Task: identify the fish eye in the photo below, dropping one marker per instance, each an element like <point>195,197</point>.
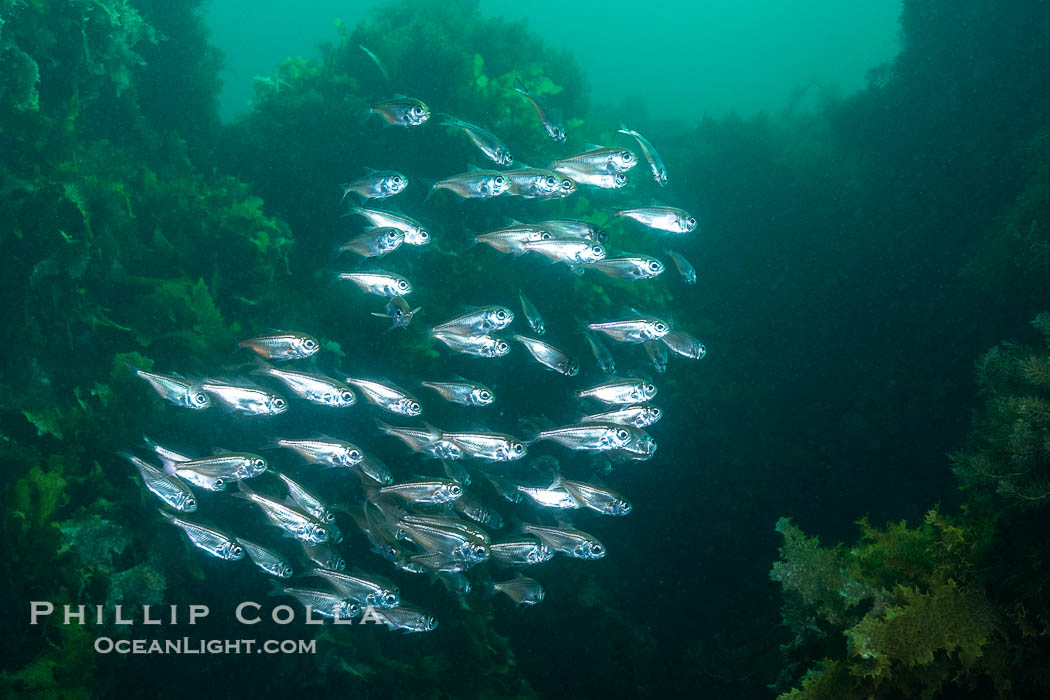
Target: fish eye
<point>485,396</point>
<point>309,343</point>
<point>691,221</point>
<point>259,463</point>
<point>660,326</point>
<point>200,399</point>
<point>423,236</point>
<point>519,448</point>
<point>417,109</point>
<point>649,388</point>
<point>396,179</point>
<point>545,236</point>
<point>597,250</point>
<point>622,434</point>
<point>501,314</point>
<point>278,403</point>
<point>415,407</point>
<point>503,347</point>
<point>455,490</point>
<point>654,265</point>
<point>551,182</point>
<point>354,455</point>
<point>347,396</point>
<point>218,484</point>
<point>402,284</point>
<point>627,156</point>
<point>567,184</point>
<point>190,503</point>
<point>499,180</point>
<point>597,548</point>
<point>390,598</point>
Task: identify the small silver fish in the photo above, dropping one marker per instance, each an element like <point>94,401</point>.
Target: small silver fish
<point>402,111</point>
<point>324,556</point>
<point>633,330</point>
<point>384,284</point>
<point>166,487</point>
<point>550,497</point>
<point>598,437</point>
<point>231,466</point>
<point>537,183</point>
<point>596,161</point>
<point>532,314</point>
<point>549,118</point>
<point>605,181</point>
<point>377,184</point>
<point>601,353</point>
<point>283,345</point>
<point>329,452</point>
<point>376,242</point>
<point>429,442</point>
<point>387,396</point>
<point>475,345</point>
<point>315,388</point>
<point>667,219</point>
<point>324,603</point>
<point>637,416</point>
<point>375,470</point>
<point>302,526</point>
<point>415,233</point>
<point>176,389</point>
<point>477,511</point>
<point>407,619</point>
<point>215,543</point>
<point>597,498</point>
<point>475,184</point>
<point>494,447</point>
<point>478,321</point>
<point>173,461</point>
<point>657,353</point>
<point>685,269</point>
<point>521,589</point>
<point>463,393</point>
<point>246,399</point>
<point>629,267</point>
<point>512,239</point>
<point>269,561</point>
<point>362,588</point>
<point>620,391</point>
<point>685,345</point>
<point>425,491</point>
<point>399,312</point>
<point>550,356</point>
<point>656,164</point>
<point>308,502</point>
<point>521,552</point>
<point>574,228</point>
<point>567,250</point>
<point>492,147</point>
<point>575,543</point>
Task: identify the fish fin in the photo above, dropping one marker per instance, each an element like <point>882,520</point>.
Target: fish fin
<point>169,517</point>
<point>592,146</point>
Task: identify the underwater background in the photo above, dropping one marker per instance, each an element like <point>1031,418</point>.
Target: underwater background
<point>872,287</point>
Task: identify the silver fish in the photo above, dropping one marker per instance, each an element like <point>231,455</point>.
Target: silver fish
<point>494,447</point>
<point>605,181</point>
<point>641,447</point>
<point>481,184</point>
<point>308,502</point>
<point>633,330</point>
<point>685,269</point>
<point>512,239</point>
<point>425,491</point>
<point>549,118</point>
<point>166,487</point>
<point>620,391</point>
<point>468,531</point>
<point>532,314</point>
<point>215,543</point>
<point>567,250</point>
<point>521,589</point>
<point>333,453</point>
<point>476,345</point>
<point>175,389</point>
<point>463,393</point>
<point>402,111</point>
<point>387,396</point>
<point>637,416</point>
<point>589,436</point>
<point>399,312</point>
<point>231,466</point>
<point>407,619</point>
<point>384,284</point>
<point>283,346</point>
<point>375,470</point>
<point>629,267</point>
<point>429,442</point>
<point>521,552</point>
<point>681,343</point>
<point>478,321</point>
<point>456,471</point>
<point>601,353</point>
<point>246,399</point>
<point>656,164</point>
<point>574,228</point>
<point>415,233</point>
<point>477,511</point>
<point>536,183</point>
<point>323,555</point>
<point>575,543</point>
<point>377,184</point>
<point>550,356</point>
<point>492,147</point>
<point>596,161</point>
<point>597,498</point>
<point>266,559</point>
<point>173,460</point>
<point>550,497</point>
<point>315,388</point>
<point>376,242</point>
<point>439,562</point>
<point>362,588</point>
<point>324,603</point>
<point>302,526</point>
<point>657,353</point>
<point>455,581</point>
<point>668,219</point>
